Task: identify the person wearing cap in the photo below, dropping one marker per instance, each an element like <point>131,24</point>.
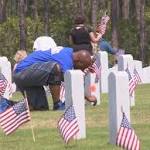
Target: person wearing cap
<point>43,68</point>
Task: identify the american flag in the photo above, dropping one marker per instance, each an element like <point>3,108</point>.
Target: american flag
<point>137,77</point>
<point>126,137</point>
<point>3,84</point>
<point>68,124</point>
<point>132,83</point>
<point>62,92</point>
<point>14,116</point>
<point>103,24</point>
<point>95,68</point>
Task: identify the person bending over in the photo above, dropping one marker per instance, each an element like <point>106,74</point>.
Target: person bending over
<point>42,68</point>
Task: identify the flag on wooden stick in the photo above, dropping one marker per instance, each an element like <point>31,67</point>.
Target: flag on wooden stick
<point>14,116</point>
<point>132,84</point>
<point>126,137</point>
<point>68,125</point>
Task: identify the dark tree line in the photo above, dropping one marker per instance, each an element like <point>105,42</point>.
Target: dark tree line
<point>21,21</point>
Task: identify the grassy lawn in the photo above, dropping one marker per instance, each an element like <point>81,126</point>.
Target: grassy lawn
<point>47,137</point>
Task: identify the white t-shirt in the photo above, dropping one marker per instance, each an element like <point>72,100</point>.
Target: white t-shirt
<point>44,43</point>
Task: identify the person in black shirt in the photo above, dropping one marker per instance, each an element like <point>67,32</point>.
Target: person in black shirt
<point>81,36</point>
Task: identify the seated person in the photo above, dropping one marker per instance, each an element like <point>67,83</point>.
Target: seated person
<point>81,36</point>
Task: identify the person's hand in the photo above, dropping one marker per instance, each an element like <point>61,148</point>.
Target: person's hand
<point>91,99</point>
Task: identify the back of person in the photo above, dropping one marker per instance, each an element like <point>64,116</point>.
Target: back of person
<point>64,58</point>
<point>81,38</point>
<point>80,35</point>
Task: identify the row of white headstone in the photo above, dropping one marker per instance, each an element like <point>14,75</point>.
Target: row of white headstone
<point>113,81</point>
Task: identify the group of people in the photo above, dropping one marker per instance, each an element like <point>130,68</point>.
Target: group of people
<point>46,65</point>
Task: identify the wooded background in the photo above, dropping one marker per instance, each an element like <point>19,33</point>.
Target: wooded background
<point>22,21</point>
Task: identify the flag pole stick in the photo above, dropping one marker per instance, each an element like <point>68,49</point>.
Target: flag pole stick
<point>31,125</point>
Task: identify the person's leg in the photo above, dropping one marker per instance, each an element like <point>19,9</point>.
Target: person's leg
<point>105,46</point>
<point>55,79</point>
<point>41,74</point>
<point>37,98</point>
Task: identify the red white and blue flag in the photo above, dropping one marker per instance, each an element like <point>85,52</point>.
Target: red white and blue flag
<point>126,137</point>
<point>62,92</point>
<point>137,77</point>
<point>95,68</point>
<point>132,84</point>
<point>103,24</point>
<point>14,116</point>
<point>4,85</point>
<point>68,125</point>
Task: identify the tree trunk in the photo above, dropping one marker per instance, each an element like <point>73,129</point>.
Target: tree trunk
<point>94,10</point>
<point>81,7</point>
<point>35,11</point>
<point>140,25</point>
<point>114,14</point>
<point>125,9</point>
<point>142,32</point>
<point>46,17</point>
<point>3,10</point>
<point>22,24</point>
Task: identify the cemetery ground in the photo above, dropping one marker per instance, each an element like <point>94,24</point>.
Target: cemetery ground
<point>47,137</point>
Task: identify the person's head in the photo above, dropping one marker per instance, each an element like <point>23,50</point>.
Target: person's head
<point>80,19</point>
<point>20,54</point>
<point>82,59</point>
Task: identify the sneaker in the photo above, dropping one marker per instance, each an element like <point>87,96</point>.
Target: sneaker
<point>59,106</point>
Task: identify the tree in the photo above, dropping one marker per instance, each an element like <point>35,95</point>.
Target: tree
<point>115,16</point>
<point>3,10</point>
<point>46,17</point>
<point>140,25</point>
<point>125,9</point>
<point>94,13</point>
<point>81,7</point>
<point>22,24</point>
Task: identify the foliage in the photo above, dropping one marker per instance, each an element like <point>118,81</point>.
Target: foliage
<point>128,37</point>
<point>9,33</point>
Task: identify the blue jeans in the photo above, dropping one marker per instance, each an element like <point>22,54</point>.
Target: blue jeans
<point>105,46</point>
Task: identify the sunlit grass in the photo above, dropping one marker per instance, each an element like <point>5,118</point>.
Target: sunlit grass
<point>44,124</point>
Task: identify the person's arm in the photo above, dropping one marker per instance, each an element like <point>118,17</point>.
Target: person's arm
<point>95,38</point>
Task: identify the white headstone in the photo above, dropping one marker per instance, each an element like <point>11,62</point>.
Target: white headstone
<point>118,101</point>
<point>138,66</point>
<point>92,87</point>
<point>74,95</point>
<point>125,61</point>
<point>103,56</point>
<point>5,66</point>
<point>146,75</point>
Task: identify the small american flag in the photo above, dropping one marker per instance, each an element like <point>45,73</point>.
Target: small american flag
<point>14,116</point>
<point>62,92</point>
<point>3,84</point>
<point>132,84</point>
<point>68,124</point>
<point>103,24</point>
<point>95,68</point>
<point>137,77</point>
<point>126,137</point>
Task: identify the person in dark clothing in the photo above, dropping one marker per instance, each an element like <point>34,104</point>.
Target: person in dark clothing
<point>42,68</point>
<point>81,36</point>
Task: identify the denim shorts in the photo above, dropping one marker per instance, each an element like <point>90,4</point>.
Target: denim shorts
<point>39,74</point>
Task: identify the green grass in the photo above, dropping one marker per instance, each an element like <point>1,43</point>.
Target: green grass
<point>47,137</point>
